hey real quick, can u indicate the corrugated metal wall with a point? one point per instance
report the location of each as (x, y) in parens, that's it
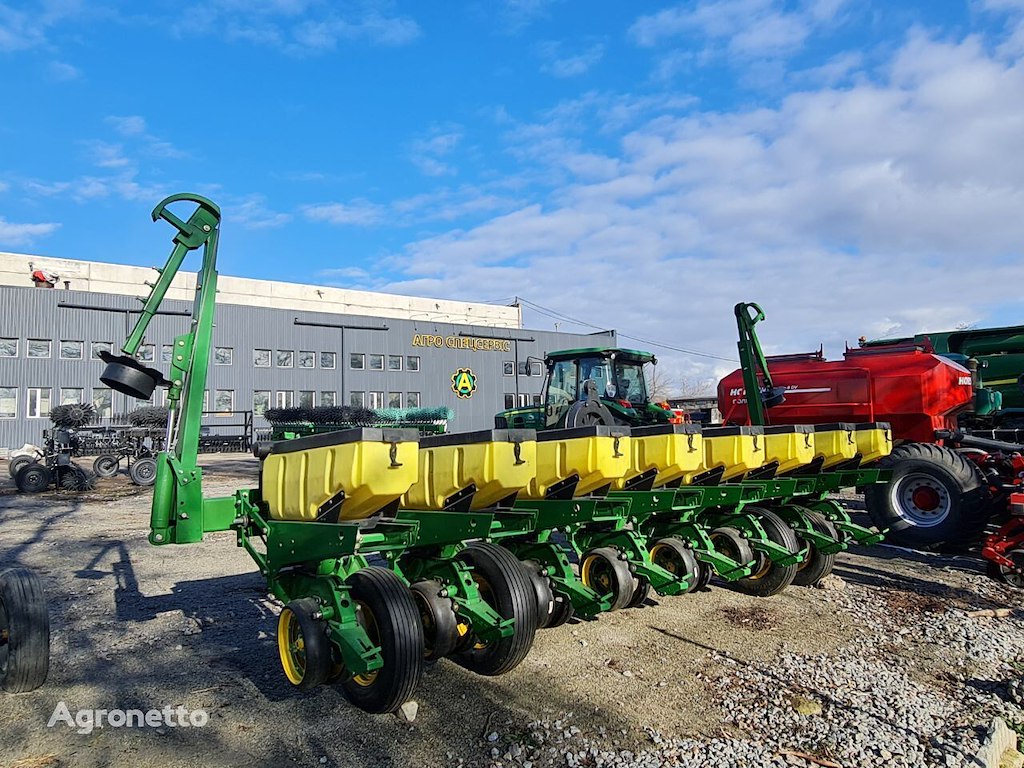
(59, 315)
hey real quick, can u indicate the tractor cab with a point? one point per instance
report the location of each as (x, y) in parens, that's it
(591, 386)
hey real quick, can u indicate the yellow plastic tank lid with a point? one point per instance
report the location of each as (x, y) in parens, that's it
(872, 425)
(341, 437)
(730, 431)
(788, 429)
(651, 430)
(836, 426)
(479, 436)
(596, 430)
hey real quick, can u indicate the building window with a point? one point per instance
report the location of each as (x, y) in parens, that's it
(394, 362)
(261, 358)
(357, 361)
(101, 401)
(100, 346)
(147, 353)
(8, 347)
(536, 369)
(376, 400)
(524, 368)
(357, 399)
(306, 399)
(206, 400)
(508, 368)
(38, 347)
(223, 401)
(71, 396)
(412, 400)
(260, 401)
(510, 400)
(327, 360)
(71, 350)
(524, 400)
(166, 350)
(328, 399)
(285, 358)
(376, 362)
(223, 355)
(307, 359)
(38, 402)
(285, 399)
(537, 400)
(8, 402)
(394, 399)
(412, 363)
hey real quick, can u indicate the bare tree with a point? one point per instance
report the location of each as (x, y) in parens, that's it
(691, 386)
(660, 385)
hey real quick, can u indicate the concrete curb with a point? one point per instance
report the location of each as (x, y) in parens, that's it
(998, 740)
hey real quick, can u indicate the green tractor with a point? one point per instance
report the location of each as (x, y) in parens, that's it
(592, 386)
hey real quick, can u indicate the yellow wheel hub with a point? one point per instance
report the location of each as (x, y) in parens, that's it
(291, 647)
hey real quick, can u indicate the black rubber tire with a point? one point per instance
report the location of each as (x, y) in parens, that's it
(730, 542)
(398, 631)
(143, 472)
(25, 620)
(704, 574)
(561, 612)
(768, 577)
(674, 556)
(970, 505)
(437, 615)
(542, 589)
(33, 478)
(641, 592)
(587, 413)
(15, 465)
(106, 466)
(997, 572)
(507, 588)
(316, 647)
(816, 566)
(613, 577)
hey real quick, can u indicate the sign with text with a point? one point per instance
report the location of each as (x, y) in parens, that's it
(474, 343)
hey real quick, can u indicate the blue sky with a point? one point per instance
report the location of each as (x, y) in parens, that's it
(856, 167)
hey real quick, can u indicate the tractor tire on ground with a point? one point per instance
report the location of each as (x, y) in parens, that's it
(937, 499)
(15, 465)
(440, 624)
(606, 573)
(388, 613)
(24, 631)
(106, 466)
(816, 566)
(504, 585)
(33, 478)
(143, 472)
(768, 577)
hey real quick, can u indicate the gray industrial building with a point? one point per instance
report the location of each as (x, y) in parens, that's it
(268, 351)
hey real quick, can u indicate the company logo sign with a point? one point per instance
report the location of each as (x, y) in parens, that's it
(464, 383)
(473, 343)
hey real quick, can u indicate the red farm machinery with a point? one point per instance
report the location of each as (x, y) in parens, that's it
(948, 484)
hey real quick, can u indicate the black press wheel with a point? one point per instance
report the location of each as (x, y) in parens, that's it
(143, 471)
(303, 645)
(603, 570)
(24, 631)
(542, 589)
(704, 574)
(440, 624)
(505, 585)
(817, 565)
(770, 578)
(106, 466)
(641, 591)
(1004, 574)
(14, 466)
(33, 478)
(387, 611)
(561, 612)
(730, 542)
(674, 556)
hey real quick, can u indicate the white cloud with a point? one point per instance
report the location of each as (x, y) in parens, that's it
(429, 154)
(128, 125)
(63, 72)
(12, 234)
(560, 64)
(359, 213)
(516, 15)
(252, 212)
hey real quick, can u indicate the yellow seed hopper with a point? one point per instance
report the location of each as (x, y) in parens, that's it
(874, 440)
(663, 454)
(738, 450)
(836, 443)
(792, 446)
(596, 455)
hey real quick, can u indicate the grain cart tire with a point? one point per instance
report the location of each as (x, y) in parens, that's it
(33, 478)
(561, 612)
(641, 591)
(106, 466)
(15, 465)
(388, 613)
(606, 573)
(143, 472)
(542, 589)
(24, 631)
(770, 578)
(674, 556)
(937, 499)
(505, 585)
(440, 624)
(302, 644)
(816, 566)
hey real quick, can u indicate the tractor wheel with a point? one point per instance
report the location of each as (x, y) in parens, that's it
(33, 478)
(143, 472)
(937, 499)
(730, 542)
(24, 631)
(440, 624)
(587, 413)
(768, 577)
(106, 466)
(641, 591)
(674, 556)
(816, 566)
(542, 589)
(15, 465)
(561, 612)
(1004, 574)
(504, 585)
(387, 611)
(302, 644)
(603, 571)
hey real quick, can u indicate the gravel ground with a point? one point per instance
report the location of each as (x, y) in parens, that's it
(883, 667)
